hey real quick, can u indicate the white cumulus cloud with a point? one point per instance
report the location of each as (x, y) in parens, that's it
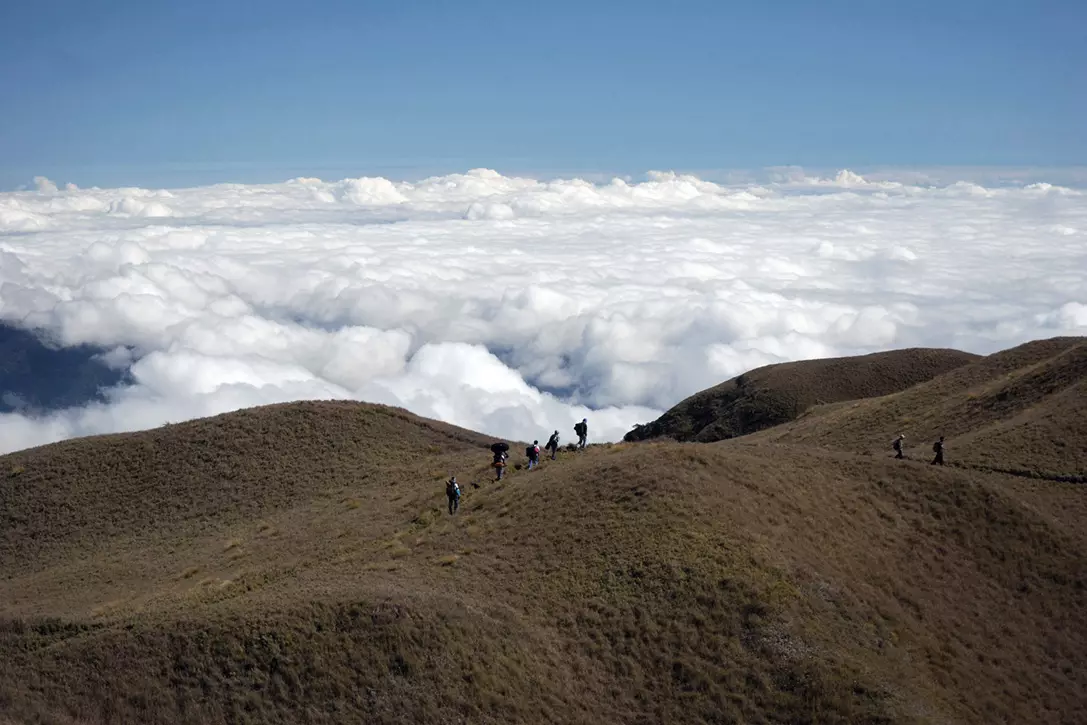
(517, 306)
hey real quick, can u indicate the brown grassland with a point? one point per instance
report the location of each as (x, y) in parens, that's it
(1022, 411)
(295, 563)
(775, 394)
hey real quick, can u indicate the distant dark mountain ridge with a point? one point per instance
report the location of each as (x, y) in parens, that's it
(38, 376)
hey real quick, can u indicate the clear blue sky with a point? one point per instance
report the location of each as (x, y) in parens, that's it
(150, 92)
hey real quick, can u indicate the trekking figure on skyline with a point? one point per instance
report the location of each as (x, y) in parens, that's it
(452, 492)
(582, 430)
(533, 453)
(938, 448)
(553, 444)
(897, 445)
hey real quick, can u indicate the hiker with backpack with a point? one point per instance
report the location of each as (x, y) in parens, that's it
(897, 445)
(500, 455)
(553, 444)
(452, 492)
(582, 430)
(533, 453)
(938, 449)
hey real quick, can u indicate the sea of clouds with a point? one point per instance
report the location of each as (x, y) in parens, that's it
(517, 306)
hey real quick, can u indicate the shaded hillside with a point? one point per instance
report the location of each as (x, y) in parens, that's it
(313, 574)
(36, 376)
(1022, 411)
(776, 394)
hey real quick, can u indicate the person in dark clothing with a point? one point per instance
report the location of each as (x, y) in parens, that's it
(553, 444)
(500, 464)
(938, 447)
(582, 430)
(452, 492)
(500, 455)
(897, 445)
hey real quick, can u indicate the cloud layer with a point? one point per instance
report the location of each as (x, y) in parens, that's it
(517, 306)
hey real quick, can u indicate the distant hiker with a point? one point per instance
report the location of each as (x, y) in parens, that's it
(452, 492)
(938, 448)
(553, 444)
(533, 453)
(500, 455)
(897, 445)
(582, 430)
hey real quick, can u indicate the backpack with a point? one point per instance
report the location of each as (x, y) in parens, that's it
(936, 447)
(529, 451)
(452, 489)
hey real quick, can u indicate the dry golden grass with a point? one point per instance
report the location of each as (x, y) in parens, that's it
(1022, 411)
(775, 394)
(211, 572)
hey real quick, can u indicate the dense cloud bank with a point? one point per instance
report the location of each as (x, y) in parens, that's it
(517, 306)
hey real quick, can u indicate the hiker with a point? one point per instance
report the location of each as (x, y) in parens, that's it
(499, 464)
(553, 444)
(533, 453)
(582, 430)
(452, 492)
(897, 445)
(500, 455)
(938, 448)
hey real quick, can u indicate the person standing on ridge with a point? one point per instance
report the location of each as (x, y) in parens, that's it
(938, 448)
(452, 492)
(582, 430)
(897, 445)
(553, 444)
(533, 453)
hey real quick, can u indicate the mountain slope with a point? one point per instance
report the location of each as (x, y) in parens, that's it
(1022, 411)
(740, 581)
(189, 478)
(776, 394)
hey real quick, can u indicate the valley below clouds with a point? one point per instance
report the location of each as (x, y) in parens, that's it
(517, 306)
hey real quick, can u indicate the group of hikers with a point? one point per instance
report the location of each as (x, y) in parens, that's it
(937, 448)
(500, 449)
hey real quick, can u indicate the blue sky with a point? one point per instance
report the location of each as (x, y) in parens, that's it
(196, 92)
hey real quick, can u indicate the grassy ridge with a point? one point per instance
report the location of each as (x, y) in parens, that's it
(775, 394)
(1021, 411)
(296, 563)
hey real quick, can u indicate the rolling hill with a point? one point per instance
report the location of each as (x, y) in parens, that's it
(296, 563)
(775, 394)
(1021, 411)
